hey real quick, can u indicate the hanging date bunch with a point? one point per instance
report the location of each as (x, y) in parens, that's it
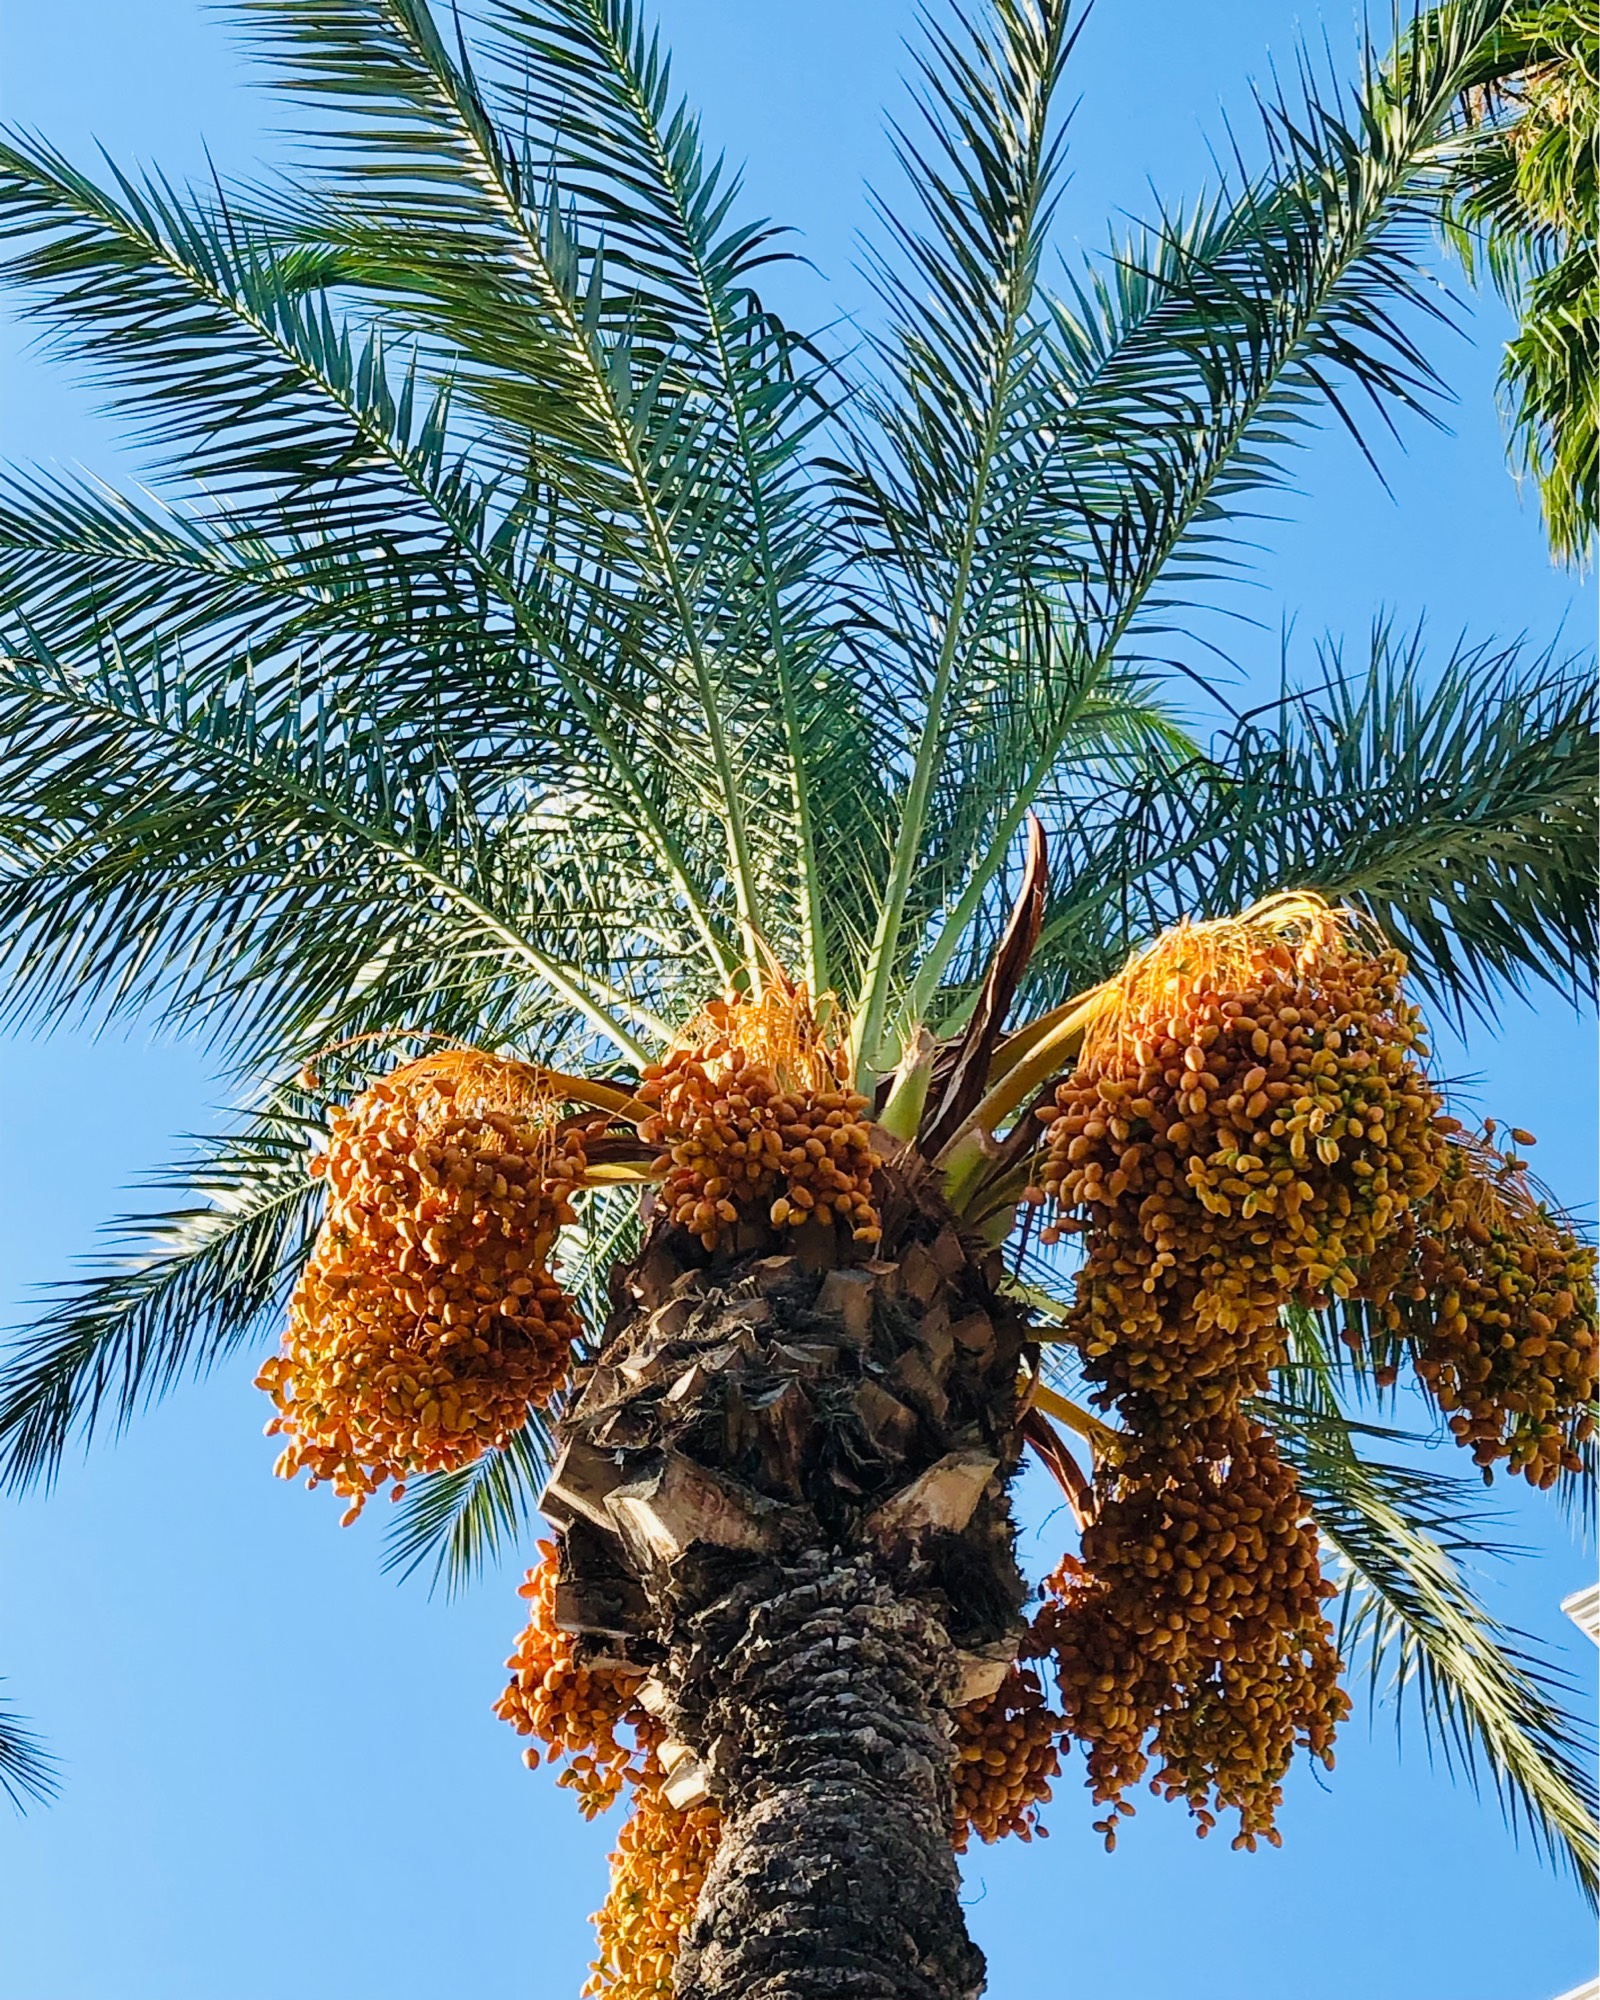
(757, 1122)
(583, 1714)
(1248, 1123)
(1496, 1305)
(658, 1868)
(574, 1709)
(1191, 1634)
(1248, 1126)
(427, 1320)
(1006, 1757)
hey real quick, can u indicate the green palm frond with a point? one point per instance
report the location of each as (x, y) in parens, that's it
(1099, 445)
(599, 83)
(560, 352)
(956, 366)
(179, 1292)
(1456, 803)
(1521, 210)
(27, 1770)
(1552, 389)
(201, 322)
(1411, 1626)
(1218, 335)
(221, 351)
(333, 863)
(1108, 729)
(462, 1522)
(81, 564)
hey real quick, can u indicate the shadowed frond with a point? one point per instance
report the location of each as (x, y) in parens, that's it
(27, 1770)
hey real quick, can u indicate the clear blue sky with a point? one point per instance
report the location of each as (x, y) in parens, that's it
(281, 1770)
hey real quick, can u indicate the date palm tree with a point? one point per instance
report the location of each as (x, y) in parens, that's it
(530, 638)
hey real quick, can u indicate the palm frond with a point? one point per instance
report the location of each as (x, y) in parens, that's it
(1551, 389)
(466, 224)
(1148, 406)
(467, 1520)
(179, 1291)
(205, 325)
(330, 858)
(1520, 209)
(592, 76)
(221, 348)
(1409, 1623)
(1455, 803)
(933, 441)
(1220, 333)
(27, 1770)
(1107, 727)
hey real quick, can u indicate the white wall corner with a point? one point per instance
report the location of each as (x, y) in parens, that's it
(1583, 1608)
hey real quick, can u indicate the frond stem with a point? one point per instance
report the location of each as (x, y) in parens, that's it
(1020, 280)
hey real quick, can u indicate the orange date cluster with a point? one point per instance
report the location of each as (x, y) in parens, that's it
(1495, 1301)
(1249, 1126)
(573, 1709)
(1192, 1631)
(756, 1121)
(1250, 1149)
(1005, 1759)
(427, 1320)
(658, 1869)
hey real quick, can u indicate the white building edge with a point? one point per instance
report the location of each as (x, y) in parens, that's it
(1583, 1608)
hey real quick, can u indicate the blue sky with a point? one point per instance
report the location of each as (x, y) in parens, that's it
(282, 1768)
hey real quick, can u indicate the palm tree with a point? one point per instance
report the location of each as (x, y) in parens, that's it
(1522, 206)
(538, 647)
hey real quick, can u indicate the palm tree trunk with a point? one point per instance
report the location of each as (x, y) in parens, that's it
(835, 1875)
(782, 1493)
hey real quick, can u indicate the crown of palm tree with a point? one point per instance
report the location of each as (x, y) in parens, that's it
(529, 637)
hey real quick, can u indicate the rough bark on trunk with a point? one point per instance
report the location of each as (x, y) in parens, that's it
(782, 1497)
(828, 1731)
